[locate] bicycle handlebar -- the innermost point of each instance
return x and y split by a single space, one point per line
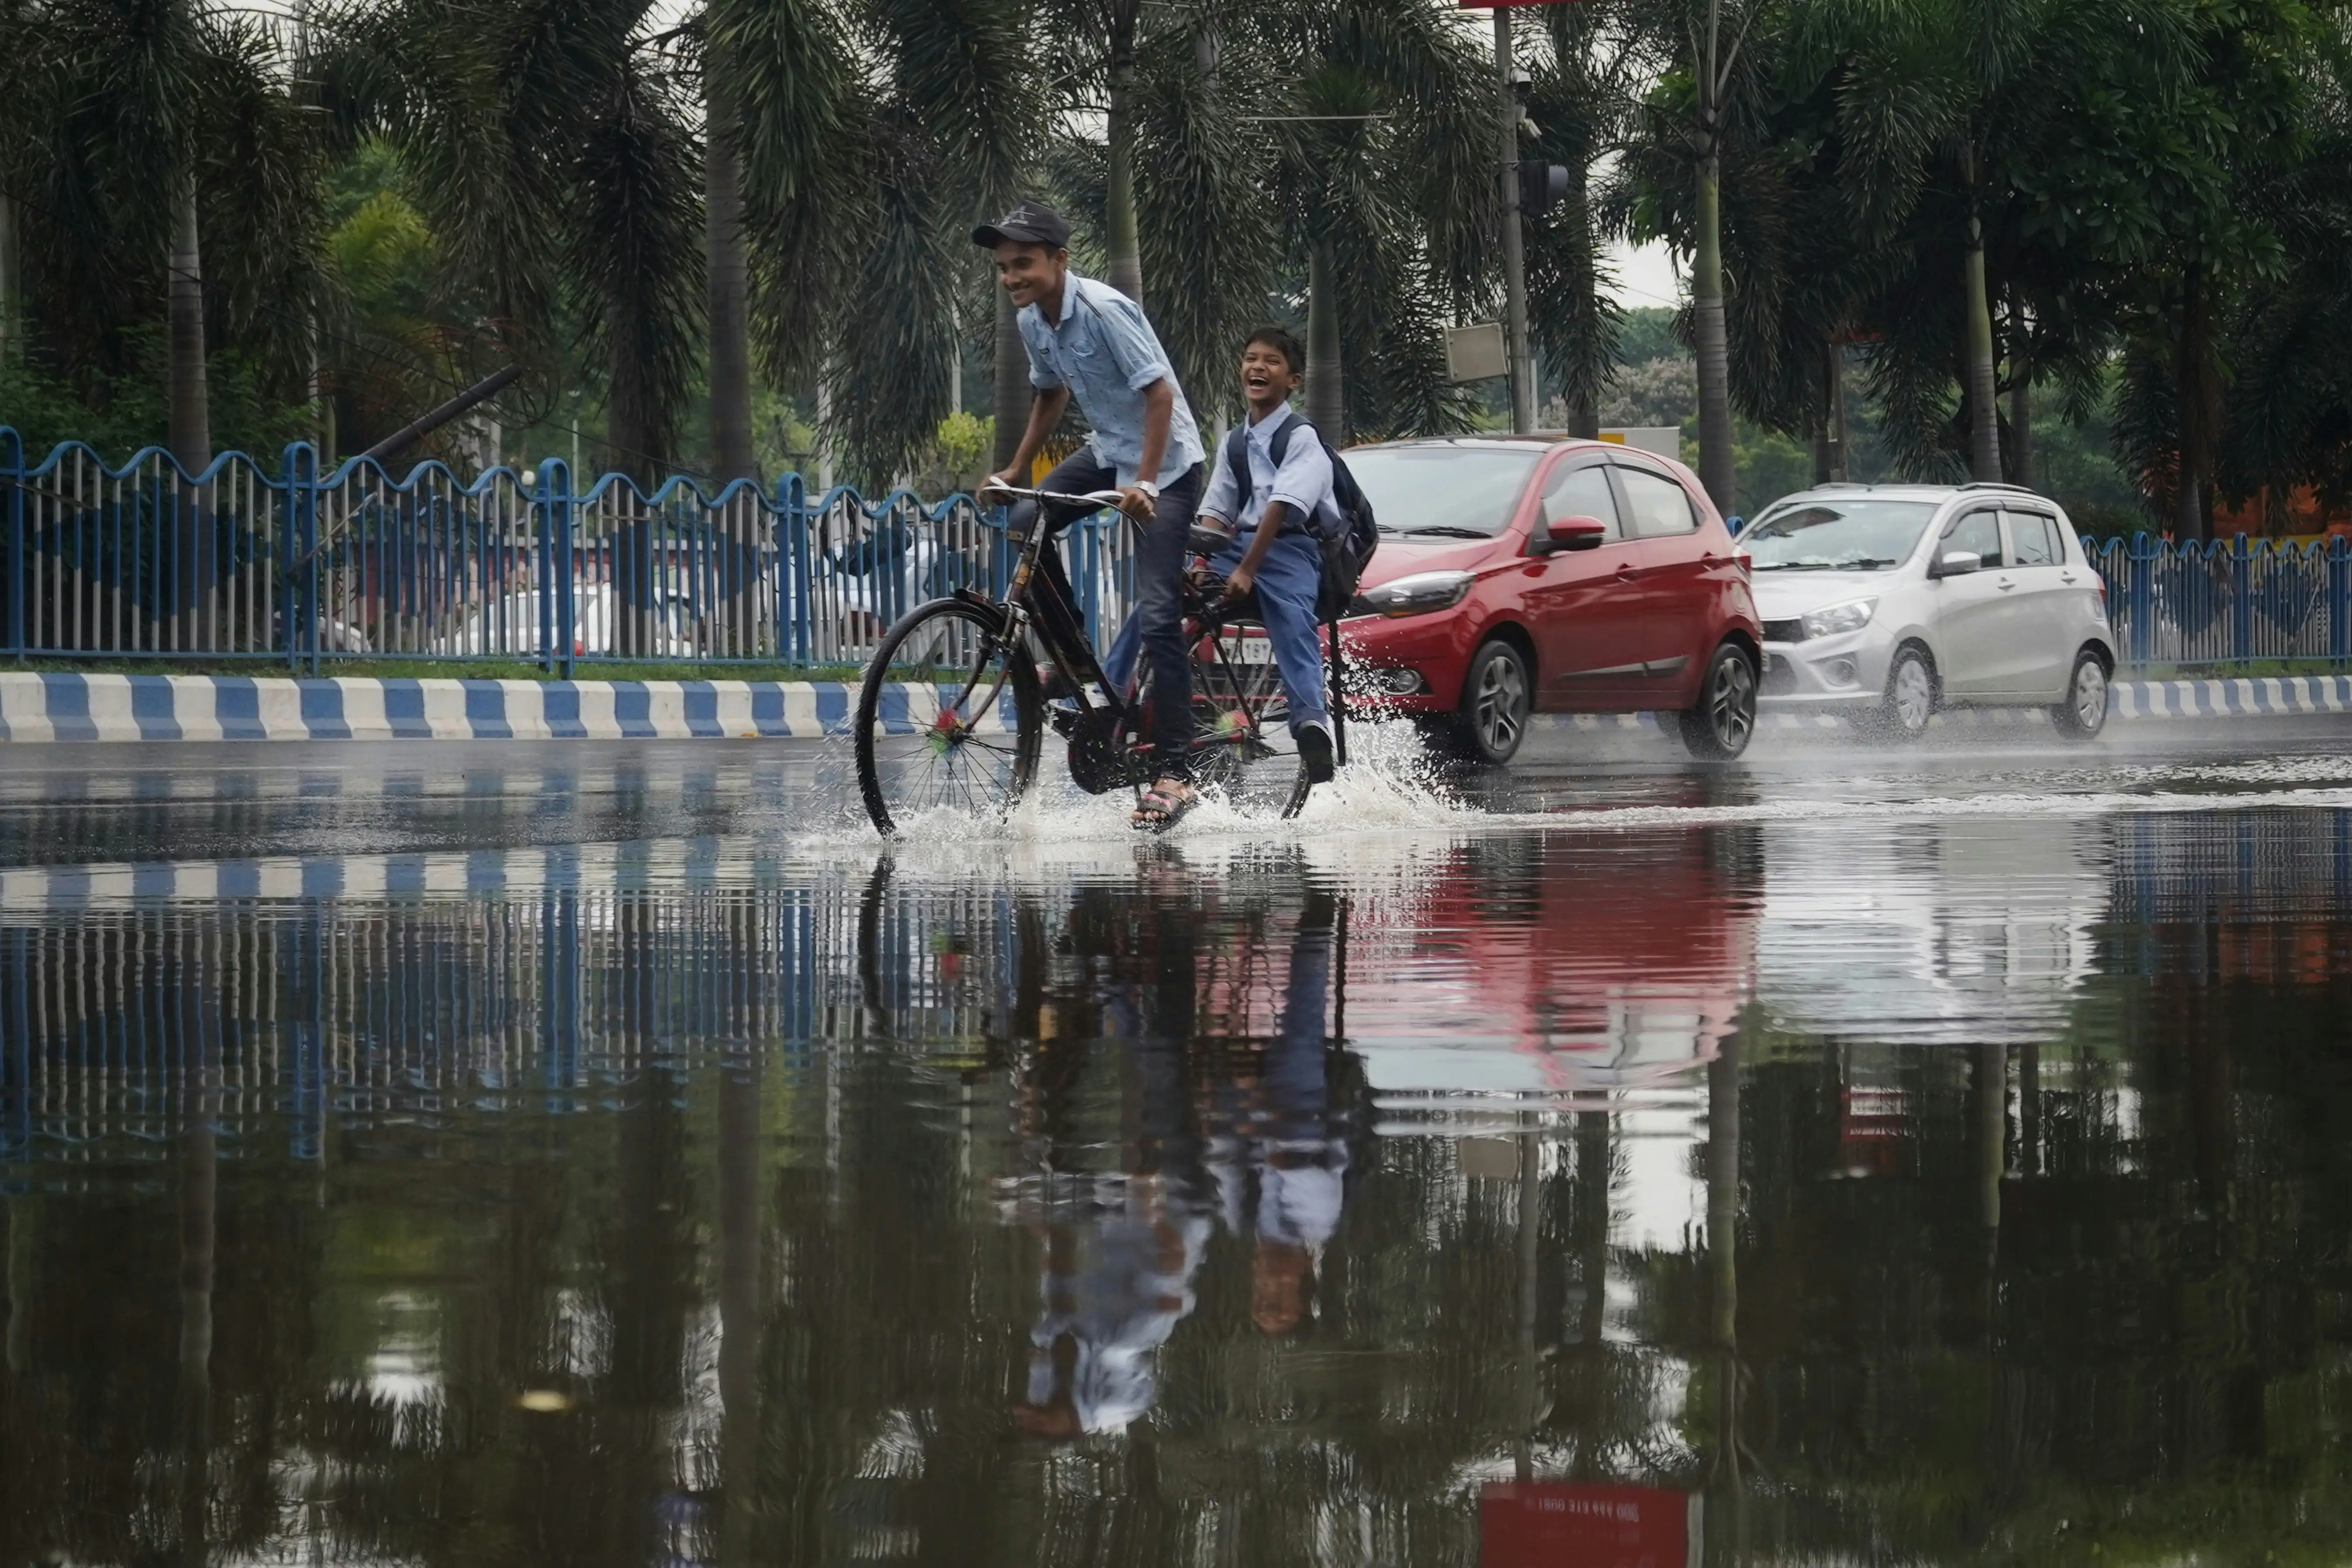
1091 499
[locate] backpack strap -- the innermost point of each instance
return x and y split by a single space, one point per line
1237 463
1280 445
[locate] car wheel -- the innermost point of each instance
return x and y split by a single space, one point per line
1910 699
1497 699
1718 728
2083 711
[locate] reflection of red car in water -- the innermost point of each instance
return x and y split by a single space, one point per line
1597 1524
1517 577
1559 964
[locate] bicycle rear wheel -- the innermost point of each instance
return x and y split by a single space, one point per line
1241 748
948 717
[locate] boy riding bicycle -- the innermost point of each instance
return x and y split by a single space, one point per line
1277 489
1088 341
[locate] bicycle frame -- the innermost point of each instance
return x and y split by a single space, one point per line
1076 662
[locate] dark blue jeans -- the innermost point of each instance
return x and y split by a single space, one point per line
1158 612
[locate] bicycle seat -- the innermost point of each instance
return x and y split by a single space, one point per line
1207 540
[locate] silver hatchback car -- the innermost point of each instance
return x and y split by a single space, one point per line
1888 602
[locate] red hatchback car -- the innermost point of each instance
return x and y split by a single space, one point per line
1523 575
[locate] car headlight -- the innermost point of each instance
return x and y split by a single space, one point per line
1414 596
1850 617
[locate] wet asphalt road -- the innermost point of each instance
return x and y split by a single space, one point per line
470 1155
64 805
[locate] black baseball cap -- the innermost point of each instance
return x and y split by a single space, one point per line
1029 223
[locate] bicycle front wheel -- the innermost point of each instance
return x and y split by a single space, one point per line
948 717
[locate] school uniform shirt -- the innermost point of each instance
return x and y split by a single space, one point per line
1302 483
1120 1305
1101 347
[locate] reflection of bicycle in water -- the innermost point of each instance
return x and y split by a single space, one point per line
967 732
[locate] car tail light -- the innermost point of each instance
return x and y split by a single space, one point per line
1747 561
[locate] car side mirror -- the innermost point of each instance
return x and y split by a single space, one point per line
1577 532
1958 562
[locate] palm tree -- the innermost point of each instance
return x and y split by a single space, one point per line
136 127
550 145
730 298
1097 44
1715 51
872 134
1342 163
1583 102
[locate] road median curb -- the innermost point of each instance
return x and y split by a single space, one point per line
39 706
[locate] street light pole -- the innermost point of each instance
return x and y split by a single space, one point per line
1520 364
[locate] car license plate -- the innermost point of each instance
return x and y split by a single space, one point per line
1253 650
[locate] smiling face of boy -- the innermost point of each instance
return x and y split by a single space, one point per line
1030 272
1268 378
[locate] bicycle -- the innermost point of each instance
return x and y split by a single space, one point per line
962 660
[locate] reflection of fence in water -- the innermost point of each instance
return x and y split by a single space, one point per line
411 1008
2264 895
425 1007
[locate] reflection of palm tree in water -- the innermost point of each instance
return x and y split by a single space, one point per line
1226 1128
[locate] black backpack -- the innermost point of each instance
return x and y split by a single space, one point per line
1348 548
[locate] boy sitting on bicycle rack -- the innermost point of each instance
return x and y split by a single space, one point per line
1272 477
1088 341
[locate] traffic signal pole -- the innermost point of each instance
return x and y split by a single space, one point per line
1521 361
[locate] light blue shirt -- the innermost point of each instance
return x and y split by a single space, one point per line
1104 350
1303 482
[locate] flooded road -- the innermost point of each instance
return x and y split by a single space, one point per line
491 1154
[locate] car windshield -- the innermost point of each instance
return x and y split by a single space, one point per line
1439 492
1858 535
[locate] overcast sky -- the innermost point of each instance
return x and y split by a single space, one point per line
1646 276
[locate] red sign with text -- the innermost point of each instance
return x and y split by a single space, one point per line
1567 1524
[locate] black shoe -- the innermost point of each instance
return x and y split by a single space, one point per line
1315 751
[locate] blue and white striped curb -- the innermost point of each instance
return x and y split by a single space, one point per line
44 707
2243 697
64 706
2135 701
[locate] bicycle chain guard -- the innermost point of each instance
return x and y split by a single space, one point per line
1097 763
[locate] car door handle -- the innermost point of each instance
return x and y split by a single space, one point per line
2004 585
1624 568
2067 578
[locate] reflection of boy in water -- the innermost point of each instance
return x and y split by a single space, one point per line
1274 1135
1115 1289
1114 1292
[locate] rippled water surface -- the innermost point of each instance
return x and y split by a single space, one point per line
1887 1174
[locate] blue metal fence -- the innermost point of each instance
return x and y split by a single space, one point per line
244 562
2226 601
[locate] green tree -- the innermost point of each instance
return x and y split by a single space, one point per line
550 147
152 154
